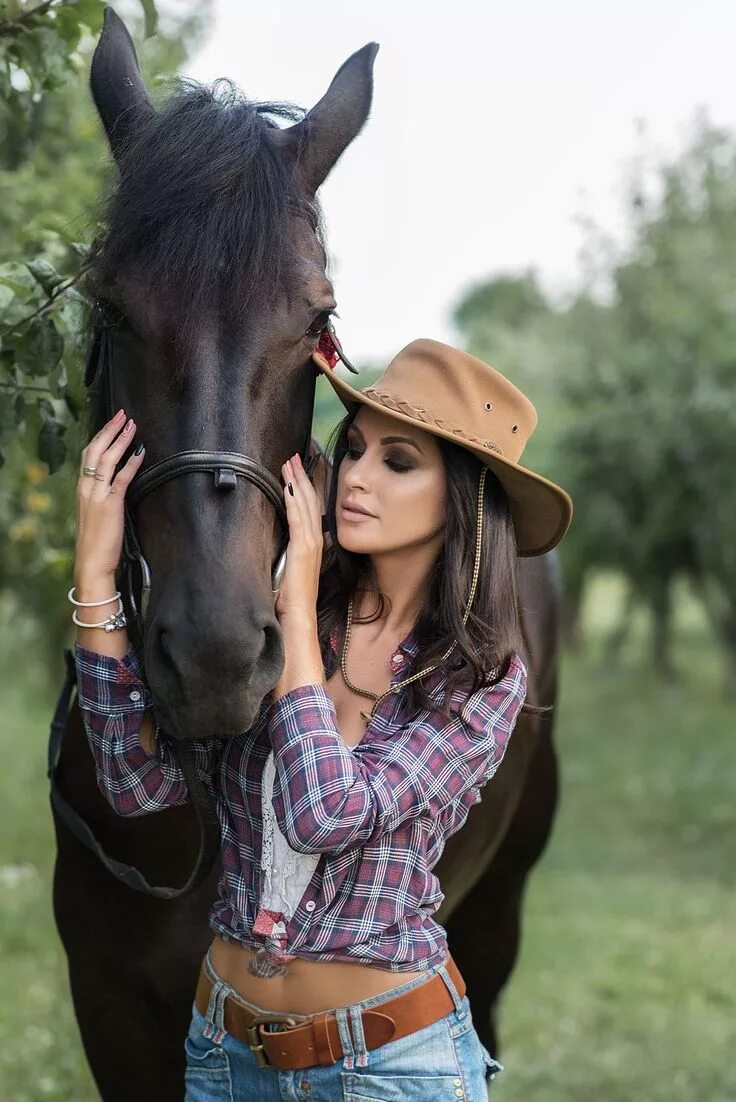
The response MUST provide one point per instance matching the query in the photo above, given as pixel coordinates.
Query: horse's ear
(117, 86)
(328, 129)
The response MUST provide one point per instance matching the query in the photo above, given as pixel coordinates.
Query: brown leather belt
(315, 1039)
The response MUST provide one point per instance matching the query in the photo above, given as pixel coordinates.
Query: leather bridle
(226, 467)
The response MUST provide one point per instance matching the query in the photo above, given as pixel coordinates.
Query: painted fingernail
(291, 489)
(128, 426)
(120, 413)
(139, 449)
(289, 467)
(298, 460)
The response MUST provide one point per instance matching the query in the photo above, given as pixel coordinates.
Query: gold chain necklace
(415, 677)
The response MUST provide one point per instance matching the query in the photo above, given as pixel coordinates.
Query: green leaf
(89, 12)
(51, 447)
(16, 276)
(39, 349)
(46, 410)
(45, 274)
(151, 17)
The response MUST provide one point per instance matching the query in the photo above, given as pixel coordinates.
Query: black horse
(213, 261)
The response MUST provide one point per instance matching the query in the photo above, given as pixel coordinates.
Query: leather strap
(315, 1039)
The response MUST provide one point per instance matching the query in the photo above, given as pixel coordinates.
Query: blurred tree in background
(637, 391)
(54, 173)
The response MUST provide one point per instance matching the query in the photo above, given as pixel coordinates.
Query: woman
(333, 815)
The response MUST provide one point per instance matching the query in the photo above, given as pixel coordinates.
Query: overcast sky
(493, 126)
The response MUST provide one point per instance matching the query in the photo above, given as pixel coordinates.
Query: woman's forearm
(96, 588)
(114, 644)
(303, 658)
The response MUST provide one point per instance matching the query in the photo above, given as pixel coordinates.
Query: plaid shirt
(378, 813)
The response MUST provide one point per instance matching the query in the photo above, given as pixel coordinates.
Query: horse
(212, 261)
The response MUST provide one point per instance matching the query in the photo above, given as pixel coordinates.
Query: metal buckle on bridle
(254, 1037)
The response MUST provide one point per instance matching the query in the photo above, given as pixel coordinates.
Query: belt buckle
(254, 1037)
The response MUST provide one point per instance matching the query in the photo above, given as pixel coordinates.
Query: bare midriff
(309, 986)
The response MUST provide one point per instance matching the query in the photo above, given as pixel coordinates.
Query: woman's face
(400, 482)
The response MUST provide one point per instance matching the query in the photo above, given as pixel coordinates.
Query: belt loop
(346, 1040)
(359, 1045)
(215, 1028)
(454, 994)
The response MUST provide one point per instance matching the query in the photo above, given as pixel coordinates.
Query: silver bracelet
(114, 622)
(91, 604)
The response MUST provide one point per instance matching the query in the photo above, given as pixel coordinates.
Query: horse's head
(213, 264)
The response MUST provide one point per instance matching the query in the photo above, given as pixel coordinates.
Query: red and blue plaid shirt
(378, 813)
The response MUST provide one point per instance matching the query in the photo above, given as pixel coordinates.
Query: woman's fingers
(303, 508)
(113, 454)
(129, 469)
(102, 440)
(293, 501)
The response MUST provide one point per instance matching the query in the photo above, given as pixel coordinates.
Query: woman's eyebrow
(401, 440)
(388, 439)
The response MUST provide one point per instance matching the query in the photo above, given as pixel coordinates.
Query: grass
(624, 986)
(625, 983)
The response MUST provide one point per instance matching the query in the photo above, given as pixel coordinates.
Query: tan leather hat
(455, 395)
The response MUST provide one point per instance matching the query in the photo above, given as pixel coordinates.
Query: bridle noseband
(226, 467)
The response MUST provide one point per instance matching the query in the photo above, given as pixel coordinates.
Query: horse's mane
(200, 211)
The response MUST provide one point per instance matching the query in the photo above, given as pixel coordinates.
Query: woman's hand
(100, 514)
(300, 580)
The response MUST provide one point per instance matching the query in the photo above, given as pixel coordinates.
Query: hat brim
(541, 510)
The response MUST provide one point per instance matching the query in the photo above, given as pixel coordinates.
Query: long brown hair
(491, 635)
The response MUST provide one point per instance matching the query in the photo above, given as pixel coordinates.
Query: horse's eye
(319, 323)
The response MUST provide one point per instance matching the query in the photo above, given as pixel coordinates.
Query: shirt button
(310, 905)
(135, 695)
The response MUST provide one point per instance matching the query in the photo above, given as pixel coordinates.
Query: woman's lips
(352, 514)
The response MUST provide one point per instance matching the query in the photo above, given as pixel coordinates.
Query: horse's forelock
(200, 208)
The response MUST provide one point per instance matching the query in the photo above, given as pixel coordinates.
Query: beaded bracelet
(113, 622)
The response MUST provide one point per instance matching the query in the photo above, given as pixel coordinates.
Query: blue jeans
(444, 1062)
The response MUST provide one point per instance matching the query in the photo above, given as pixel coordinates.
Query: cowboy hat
(452, 394)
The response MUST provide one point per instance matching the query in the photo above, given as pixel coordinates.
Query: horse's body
(132, 958)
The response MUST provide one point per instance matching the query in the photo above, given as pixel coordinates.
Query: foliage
(636, 393)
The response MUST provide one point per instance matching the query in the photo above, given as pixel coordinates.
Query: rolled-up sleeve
(329, 797)
(113, 699)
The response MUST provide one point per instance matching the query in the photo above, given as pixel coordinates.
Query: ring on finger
(89, 470)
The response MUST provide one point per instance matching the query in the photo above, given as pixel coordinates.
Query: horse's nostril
(272, 638)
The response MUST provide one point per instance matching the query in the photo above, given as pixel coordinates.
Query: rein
(226, 468)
